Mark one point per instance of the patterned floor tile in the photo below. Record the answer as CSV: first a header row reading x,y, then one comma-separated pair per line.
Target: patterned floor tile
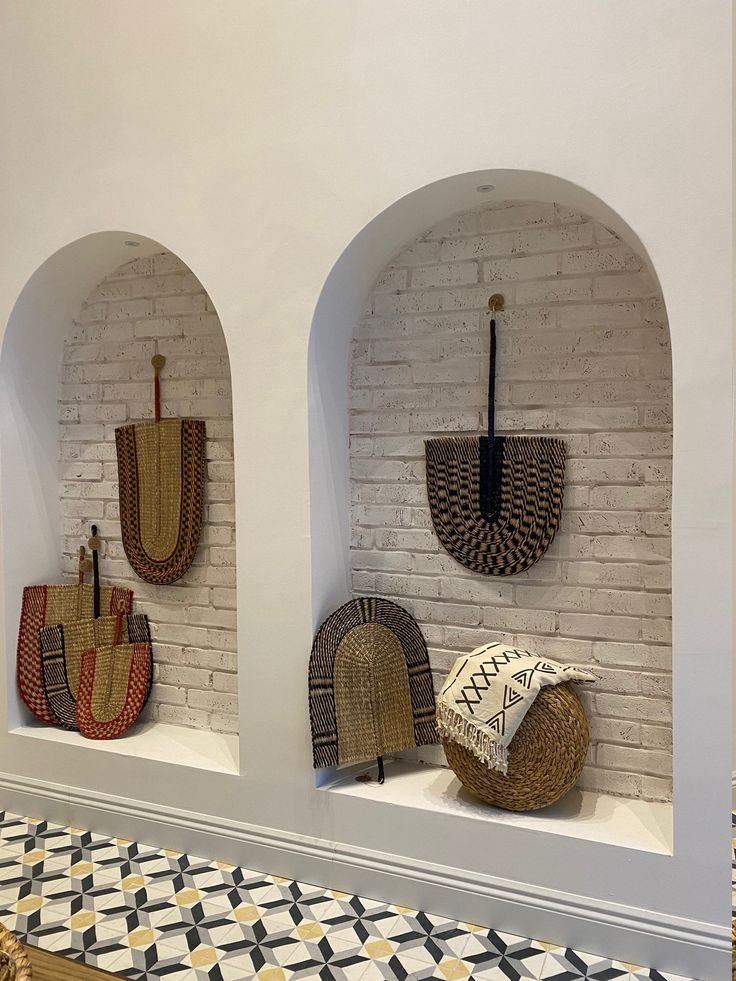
x,y
146,914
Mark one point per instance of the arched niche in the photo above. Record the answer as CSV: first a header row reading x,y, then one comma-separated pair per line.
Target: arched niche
x,y
68,376
343,303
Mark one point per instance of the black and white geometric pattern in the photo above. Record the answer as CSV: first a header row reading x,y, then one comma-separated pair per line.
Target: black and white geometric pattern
x,y
143,913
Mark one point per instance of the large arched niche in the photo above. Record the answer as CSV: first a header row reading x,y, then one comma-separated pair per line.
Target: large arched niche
x,y
33,358
341,305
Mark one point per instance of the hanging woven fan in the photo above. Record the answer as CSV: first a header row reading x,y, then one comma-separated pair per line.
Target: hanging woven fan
x,y
59,604
161,474
496,501
370,685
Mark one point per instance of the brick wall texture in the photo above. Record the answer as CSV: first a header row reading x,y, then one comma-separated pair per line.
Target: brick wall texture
x,y
583,353
148,305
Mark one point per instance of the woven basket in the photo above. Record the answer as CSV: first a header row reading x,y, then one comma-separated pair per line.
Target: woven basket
x,y
733,950
545,756
14,963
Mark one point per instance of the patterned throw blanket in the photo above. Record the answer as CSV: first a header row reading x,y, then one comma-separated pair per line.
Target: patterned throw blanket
x,y
488,693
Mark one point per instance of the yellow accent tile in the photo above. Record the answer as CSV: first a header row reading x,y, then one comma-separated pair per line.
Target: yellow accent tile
x,y
141,938
278,878
633,968
186,897
309,931
123,841
203,956
133,882
404,909
81,869
473,927
34,820
546,945
80,921
271,974
77,831
246,914
339,895
31,857
453,969
30,904
224,865
378,948
170,853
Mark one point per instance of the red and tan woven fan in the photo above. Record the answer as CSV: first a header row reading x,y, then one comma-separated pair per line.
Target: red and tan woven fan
x,y
114,683
59,603
161,474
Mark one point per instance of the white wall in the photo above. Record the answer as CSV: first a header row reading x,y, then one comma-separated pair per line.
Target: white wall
x,y
156,305
583,353
267,137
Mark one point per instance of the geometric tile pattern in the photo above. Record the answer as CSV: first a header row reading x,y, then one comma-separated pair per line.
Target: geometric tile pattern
x,y
143,913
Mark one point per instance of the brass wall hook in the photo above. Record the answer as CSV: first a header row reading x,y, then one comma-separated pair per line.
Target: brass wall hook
x,y
496,302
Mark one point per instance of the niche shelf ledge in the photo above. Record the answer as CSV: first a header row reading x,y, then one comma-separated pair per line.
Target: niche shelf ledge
x,y
641,825
212,751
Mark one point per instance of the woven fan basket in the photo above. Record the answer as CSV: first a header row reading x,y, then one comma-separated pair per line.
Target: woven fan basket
x,y
14,963
733,950
545,756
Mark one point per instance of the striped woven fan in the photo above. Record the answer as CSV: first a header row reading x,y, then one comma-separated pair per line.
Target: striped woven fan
x,y
62,603
161,474
496,501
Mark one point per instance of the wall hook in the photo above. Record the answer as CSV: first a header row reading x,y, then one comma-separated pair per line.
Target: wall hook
x,y
496,302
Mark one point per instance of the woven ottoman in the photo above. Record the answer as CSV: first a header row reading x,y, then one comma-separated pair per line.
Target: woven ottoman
x,y
545,756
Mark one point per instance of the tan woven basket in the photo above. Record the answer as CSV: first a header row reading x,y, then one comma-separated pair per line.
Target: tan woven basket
x,y
545,756
733,950
14,963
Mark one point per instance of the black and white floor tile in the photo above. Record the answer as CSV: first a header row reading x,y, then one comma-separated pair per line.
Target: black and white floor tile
x,y
143,913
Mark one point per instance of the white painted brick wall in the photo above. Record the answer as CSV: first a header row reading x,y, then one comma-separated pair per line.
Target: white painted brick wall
x,y
583,352
107,381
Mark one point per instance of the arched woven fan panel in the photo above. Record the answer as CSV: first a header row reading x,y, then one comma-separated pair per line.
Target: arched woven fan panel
x,y
372,700
531,489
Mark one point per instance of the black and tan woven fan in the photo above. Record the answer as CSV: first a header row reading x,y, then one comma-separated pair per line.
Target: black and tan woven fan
x,y
496,501
370,685
161,474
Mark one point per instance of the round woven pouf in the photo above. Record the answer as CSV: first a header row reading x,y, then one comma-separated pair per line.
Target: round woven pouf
x,y
14,962
545,756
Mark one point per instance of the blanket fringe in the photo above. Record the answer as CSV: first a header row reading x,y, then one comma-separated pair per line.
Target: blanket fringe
x,y
481,743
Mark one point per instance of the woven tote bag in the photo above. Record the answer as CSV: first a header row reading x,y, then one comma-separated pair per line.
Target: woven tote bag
x,y
161,476
495,501
52,605
61,657
370,684
114,683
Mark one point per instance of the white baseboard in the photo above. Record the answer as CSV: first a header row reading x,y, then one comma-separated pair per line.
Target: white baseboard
x,y
688,948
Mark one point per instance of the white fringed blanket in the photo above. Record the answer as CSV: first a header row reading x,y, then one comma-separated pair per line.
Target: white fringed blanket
x,y
487,694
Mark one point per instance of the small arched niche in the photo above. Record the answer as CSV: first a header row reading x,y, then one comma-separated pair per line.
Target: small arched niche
x,y
399,353
75,364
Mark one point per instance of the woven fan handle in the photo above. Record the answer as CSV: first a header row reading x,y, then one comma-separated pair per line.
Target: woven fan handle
x,y
94,545
495,303
85,564
158,361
